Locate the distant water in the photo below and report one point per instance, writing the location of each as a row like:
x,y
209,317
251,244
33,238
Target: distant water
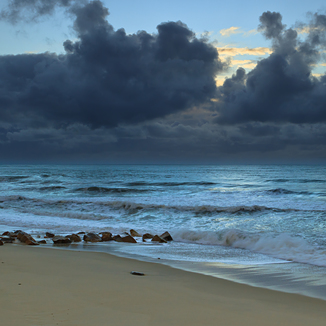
x,y
244,215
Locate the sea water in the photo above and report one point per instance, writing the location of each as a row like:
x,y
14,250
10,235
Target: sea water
x,y
241,222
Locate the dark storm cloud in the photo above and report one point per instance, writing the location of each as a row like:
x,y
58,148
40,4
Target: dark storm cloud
x,y
28,10
145,98
281,88
108,77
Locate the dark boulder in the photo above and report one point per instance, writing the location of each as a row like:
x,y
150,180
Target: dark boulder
x,y
134,233
147,236
92,237
26,238
128,239
74,237
58,239
157,238
41,242
106,236
49,235
166,236
7,239
117,238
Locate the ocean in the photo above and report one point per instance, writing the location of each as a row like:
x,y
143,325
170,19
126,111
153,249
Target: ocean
x,y
263,225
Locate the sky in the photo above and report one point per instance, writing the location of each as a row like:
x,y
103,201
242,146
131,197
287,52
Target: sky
x,y
162,82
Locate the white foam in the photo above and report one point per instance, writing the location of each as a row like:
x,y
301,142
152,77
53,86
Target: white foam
x,y
283,246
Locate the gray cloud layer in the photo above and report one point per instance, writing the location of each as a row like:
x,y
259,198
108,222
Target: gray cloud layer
x,y
115,97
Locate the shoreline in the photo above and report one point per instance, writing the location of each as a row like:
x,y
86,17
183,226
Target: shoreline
x,y
288,277
70,287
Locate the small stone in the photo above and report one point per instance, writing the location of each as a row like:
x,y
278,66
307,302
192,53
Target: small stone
x,y
41,242
49,235
147,236
157,238
134,233
166,236
1,243
81,232
137,273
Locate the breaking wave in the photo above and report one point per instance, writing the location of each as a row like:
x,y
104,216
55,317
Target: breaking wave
x,y
133,207
282,246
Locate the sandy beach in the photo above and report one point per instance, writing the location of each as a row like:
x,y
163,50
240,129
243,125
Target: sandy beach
x,y
41,286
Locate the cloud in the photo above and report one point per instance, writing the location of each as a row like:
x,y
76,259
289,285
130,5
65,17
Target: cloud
x,y
141,98
227,32
250,64
232,51
251,32
31,10
281,87
108,77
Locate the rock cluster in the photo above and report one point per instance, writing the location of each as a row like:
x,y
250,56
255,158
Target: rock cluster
x,y
23,237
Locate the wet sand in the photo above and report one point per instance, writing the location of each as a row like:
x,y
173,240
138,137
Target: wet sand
x,y
40,286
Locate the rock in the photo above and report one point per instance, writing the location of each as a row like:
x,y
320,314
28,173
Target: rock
x,y
147,236
117,238
6,233
166,236
58,239
134,233
92,237
81,232
49,235
12,235
7,239
1,243
41,242
156,238
107,236
128,239
137,273
74,237
30,242
26,238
